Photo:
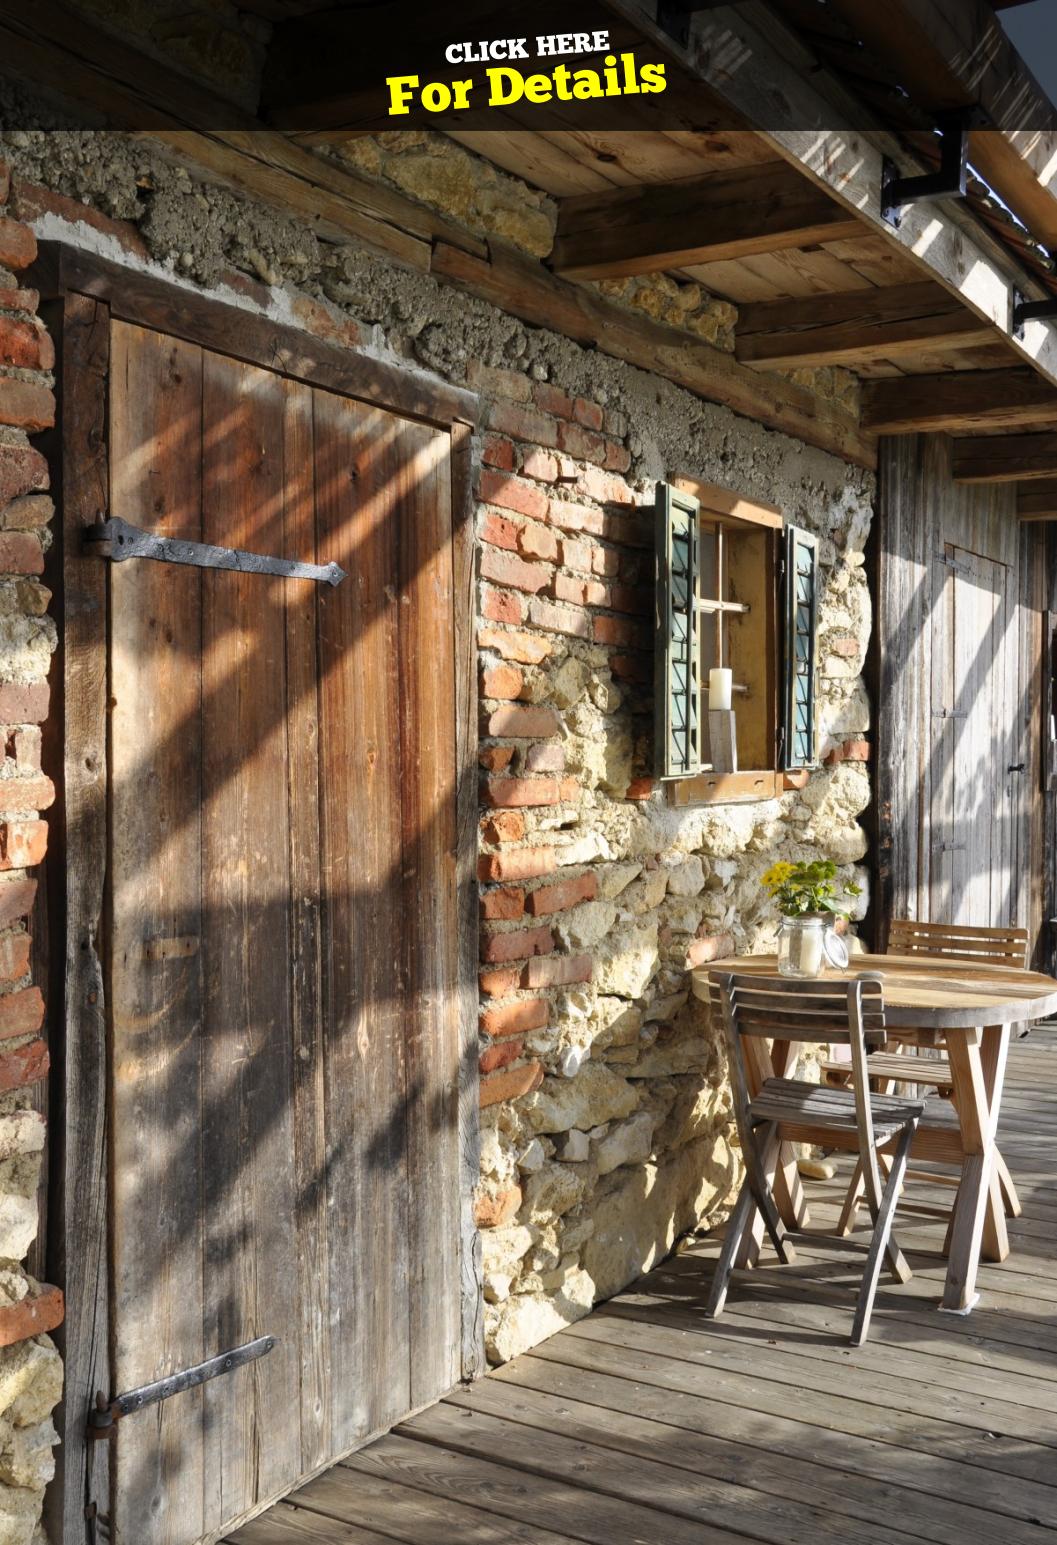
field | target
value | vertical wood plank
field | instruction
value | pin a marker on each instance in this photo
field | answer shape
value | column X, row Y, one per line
column 251, row 1262
column 155, row 894
column 359, row 468
column 78, row 1257
column 431, row 932
column 308, row 1048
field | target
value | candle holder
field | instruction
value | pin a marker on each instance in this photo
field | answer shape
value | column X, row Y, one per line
column 723, row 740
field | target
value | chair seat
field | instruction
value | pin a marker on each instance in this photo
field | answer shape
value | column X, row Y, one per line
column 933, row 1071
column 790, row 1102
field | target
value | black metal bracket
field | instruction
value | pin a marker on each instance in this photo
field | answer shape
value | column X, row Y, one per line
column 948, row 182
column 1025, row 310
column 102, row 1420
column 117, row 540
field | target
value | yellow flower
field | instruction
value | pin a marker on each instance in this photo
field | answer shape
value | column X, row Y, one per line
column 778, row 874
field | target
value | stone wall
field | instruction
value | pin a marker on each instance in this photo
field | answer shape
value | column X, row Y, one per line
column 605, row 1114
column 30, row 1371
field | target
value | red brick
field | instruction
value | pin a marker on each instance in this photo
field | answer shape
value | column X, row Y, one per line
column 521, row 864
column 616, row 423
column 499, row 1055
column 498, row 452
column 615, row 457
column 605, row 561
column 21, row 1013
column 27, row 513
column 856, row 750
column 630, row 667
column 582, row 592
column 24, row 344
column 569, row 789
column 24, row 1065
column 552, row 400
column 494, row 1211
column 504, row 904
column 541, row 465
column 14, row 956
column 576, row 555
column 26, row 793
column 18, row 245
column 562, row 618
column 637, row 599
column 511, row 493
column 16, row 900
column 709, row 947
column 41, row 1310
column 20, row 552
column 537, row 542
column 24, row 405
column 602, row 487
column 501, row 681
column 498, row 531
column 495, row 382
column 504, row 826
column 576, row 517
column 557, row 971
column 22, row 843
column 588, row 413
column 495, row 758
column 848, row 648
column 501, row 606
column 799, row 778
column 498, row 984
column 559, row 898
column 614, row 630
column 23, row 470
column 19, row 300
column 639, row 788
column 530, row 722
column 515, row 1018
column 544, row 758
column 526, row 648
column 522, row 423
column 510, row 1084
column 581, row 443
column 520, row 792
column 24, row 704
column 518, row 944
column 507, row 569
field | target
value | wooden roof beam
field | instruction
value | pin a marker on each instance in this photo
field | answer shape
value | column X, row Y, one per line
column 856, row 327
column 1005, row 458
column 735, row 214
column 957, row 402
column 1037, row 500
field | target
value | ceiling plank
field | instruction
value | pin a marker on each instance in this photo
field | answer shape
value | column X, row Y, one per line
column 856, row 326
column 1037, row 500
column 1005, row 458
column 729, row 215
column 959, row 401
column 524, row 288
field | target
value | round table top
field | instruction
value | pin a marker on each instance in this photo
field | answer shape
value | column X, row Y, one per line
column 923, row 992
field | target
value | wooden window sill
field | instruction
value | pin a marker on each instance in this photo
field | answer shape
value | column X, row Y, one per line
column 738, row 788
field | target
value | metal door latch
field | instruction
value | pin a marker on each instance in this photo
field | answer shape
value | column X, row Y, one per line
column 102, row 1420
column 117, row 540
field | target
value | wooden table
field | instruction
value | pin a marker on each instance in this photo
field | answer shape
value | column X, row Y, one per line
column 973, row 1008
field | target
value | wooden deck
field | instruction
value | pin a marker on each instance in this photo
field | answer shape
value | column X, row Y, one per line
column 648, row 1425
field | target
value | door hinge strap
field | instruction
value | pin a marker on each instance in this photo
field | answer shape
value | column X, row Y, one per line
column 117, row 540
column 102, row 1420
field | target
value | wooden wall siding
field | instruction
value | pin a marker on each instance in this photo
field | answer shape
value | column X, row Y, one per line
column 283, row 932
column 959, row 695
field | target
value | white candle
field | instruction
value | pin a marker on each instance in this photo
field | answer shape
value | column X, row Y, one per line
column 720, row 684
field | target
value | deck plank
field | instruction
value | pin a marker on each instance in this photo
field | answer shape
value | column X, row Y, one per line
column 650, row 1424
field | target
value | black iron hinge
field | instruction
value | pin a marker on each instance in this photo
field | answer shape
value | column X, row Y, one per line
column 117, row 540
column 103, row 1419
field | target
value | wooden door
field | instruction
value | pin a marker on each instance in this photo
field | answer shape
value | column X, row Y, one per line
column 282, row 960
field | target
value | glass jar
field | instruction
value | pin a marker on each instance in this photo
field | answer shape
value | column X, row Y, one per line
column 809, row 943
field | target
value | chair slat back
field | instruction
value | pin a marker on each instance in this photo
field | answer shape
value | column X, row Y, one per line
column 956, row 941
column 796, row 1009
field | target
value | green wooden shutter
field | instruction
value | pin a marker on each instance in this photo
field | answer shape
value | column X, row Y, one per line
column 678, row 662
column 801, row 628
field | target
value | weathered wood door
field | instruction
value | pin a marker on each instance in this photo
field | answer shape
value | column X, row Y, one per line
column 280, row 971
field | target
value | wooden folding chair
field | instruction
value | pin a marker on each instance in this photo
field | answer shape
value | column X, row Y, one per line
column 905, row 1061
column 771, row 1111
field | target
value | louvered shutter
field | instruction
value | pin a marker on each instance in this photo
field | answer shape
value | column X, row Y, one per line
column 801, row 628
column 678, row 662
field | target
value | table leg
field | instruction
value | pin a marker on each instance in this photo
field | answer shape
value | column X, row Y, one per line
column 977, row 1105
